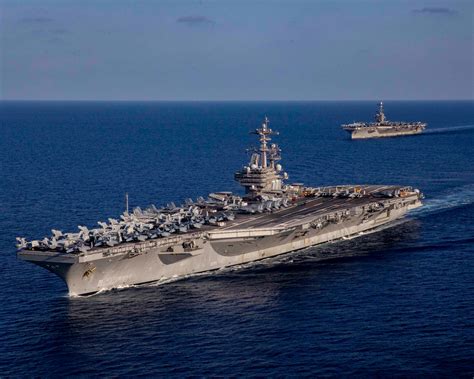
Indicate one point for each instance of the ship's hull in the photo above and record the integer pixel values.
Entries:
(375, 132)
(152, 261)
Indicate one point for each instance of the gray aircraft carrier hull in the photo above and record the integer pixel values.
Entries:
(367, 132)
(246, 240)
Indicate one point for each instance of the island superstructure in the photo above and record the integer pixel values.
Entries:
(225, 229)
(382, 127)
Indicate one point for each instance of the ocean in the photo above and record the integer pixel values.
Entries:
(397, 303)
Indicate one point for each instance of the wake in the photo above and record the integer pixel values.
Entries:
(456, 198)
(448, 129)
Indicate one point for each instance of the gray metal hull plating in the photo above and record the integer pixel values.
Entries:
(149, 261)
(364, 133)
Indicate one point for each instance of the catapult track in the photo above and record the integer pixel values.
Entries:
(306, 207)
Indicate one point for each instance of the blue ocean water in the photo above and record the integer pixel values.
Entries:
(395, 303)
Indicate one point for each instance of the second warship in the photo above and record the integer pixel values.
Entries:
(382, 127)
(225, 229)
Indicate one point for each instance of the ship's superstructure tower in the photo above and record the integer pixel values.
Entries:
(263, 174)
(380, 115)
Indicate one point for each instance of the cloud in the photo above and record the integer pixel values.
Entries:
(36, 20)
(194, 20)
(434, 10)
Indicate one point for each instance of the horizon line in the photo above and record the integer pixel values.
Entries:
(224, 100)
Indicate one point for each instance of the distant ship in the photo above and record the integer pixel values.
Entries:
(225, 229)
(382, 127)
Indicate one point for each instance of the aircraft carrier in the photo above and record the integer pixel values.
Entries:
(222, 230)
(382, 127)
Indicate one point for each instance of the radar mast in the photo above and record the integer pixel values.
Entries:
(264, 132)
(380, 116)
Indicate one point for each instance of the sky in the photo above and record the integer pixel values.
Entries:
(236, 50)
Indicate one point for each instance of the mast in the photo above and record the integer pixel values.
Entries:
(380, 116)
(264, 133)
